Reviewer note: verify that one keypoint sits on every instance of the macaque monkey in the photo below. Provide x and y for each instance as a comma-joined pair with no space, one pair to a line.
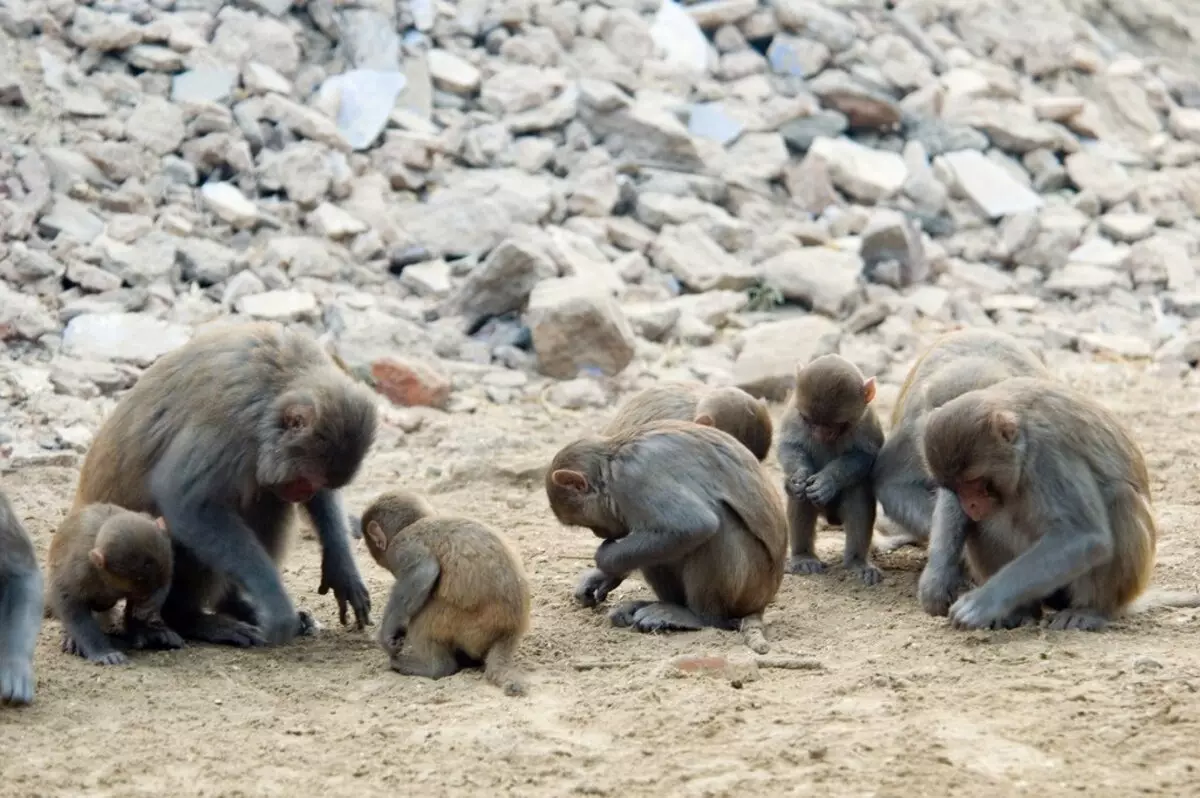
21,604
460,591
100,555
727,408
222,437
957,362
827,445
1049,496
690,508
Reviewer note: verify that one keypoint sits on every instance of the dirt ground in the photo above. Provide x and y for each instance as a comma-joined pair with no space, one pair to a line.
901,703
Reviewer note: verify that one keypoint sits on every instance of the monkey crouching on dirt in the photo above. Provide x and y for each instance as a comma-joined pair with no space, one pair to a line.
727,408
689,507
460,591
955,363
100,555
1050,498
828,441
222,437
21,607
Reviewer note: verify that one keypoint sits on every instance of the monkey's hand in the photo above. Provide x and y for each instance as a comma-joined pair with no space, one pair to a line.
343,578
937,590
797,484
820,489
594,587
153,636
392,643
977,609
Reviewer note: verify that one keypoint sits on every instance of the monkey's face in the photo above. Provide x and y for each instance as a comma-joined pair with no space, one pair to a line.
831,397
970,448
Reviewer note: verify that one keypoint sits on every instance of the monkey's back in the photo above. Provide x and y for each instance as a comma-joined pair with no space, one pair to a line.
482,592
223,378
970,357
672,400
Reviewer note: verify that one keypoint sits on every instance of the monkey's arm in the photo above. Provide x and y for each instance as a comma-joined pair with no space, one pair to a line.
943,572
849,469
338,570
796,463
417,572
86,638
666,522
21,604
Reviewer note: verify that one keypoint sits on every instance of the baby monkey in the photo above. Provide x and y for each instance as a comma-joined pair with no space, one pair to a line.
461,595
727,408
828,441
101,554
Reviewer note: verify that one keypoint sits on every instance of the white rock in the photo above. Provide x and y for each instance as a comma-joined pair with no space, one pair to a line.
865,174
284,305
452,73
332,222
986,184
228,202
132,337
676,33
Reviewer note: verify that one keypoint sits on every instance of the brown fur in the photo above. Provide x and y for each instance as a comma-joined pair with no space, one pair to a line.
727,408
478,606
651,490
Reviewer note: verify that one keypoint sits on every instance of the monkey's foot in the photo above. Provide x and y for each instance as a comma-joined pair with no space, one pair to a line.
937,591
221,630
16,681
102,657
625,613
437,667
663,617
805,564
146,636
1079,620
867,571
306,624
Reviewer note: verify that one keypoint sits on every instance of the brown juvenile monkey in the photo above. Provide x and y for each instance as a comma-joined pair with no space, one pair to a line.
727,408
1049,496
100,555
460,591
222,437
827,445
21,603
689,507
955,363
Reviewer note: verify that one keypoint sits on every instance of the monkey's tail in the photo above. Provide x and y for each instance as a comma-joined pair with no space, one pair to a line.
1157,597
498,667
754,634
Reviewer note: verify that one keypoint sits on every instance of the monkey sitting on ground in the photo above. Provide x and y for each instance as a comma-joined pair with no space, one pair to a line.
689,507
222,437
955,363
727,408
100,555
20,607
827,445
1050,497
460,591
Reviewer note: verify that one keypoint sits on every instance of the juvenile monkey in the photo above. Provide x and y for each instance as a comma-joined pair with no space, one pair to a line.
690,508
100,555
222,437
21,603
955,363
460,591
829,438
727,408
1050,497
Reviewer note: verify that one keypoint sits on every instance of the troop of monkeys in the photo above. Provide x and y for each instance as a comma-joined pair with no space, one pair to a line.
1028,494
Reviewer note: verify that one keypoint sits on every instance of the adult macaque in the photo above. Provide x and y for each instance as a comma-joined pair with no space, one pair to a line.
1049,496
727,408
460,590
21,606
957,362
828,441
690,508
100,555
222,437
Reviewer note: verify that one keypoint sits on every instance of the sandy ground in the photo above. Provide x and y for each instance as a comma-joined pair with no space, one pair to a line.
901,703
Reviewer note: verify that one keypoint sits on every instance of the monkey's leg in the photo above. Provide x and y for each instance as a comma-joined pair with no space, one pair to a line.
902,487
83,636
144,625
943,577
857,508
338,571
667,586
498,666
417,572
802,531
191,590
426,658
238,606
21,609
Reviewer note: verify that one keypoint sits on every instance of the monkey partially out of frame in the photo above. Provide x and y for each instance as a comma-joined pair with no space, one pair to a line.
21,608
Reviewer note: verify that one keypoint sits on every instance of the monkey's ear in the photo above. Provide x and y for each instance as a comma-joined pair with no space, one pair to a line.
298,415
869,390
1005,424
705,420
97,558
572,480
374,533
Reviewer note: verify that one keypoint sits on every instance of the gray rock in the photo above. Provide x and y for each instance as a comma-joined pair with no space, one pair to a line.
823,279
757,156
206,84
22,316
648,132
713,121
205,262
798,57
698,262
1127,227
938,136
149,259
865,174
103,32
863,107
25,265
503,282
303,170
766,364
157,125
891,236
283,305
72,220
125,337
1108,180
452,73
302,256
831,28
229,203
576,326
987,185
713,14
370,39
154,58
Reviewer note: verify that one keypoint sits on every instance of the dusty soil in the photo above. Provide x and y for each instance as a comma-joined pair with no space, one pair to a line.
901,704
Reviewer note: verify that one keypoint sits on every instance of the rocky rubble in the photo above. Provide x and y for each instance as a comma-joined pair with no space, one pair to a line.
512,200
